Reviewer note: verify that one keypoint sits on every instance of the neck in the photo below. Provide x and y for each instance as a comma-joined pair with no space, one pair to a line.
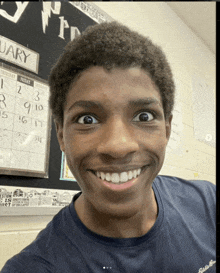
115,226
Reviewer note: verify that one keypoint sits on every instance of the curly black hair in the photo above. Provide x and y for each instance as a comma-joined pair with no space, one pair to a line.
110,45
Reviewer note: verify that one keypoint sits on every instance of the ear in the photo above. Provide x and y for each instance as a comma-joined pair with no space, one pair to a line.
168,127
59,130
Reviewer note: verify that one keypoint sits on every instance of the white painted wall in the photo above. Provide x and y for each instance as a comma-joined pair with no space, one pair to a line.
187,55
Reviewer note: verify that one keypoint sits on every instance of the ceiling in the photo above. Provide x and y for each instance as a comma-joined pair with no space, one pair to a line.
200,17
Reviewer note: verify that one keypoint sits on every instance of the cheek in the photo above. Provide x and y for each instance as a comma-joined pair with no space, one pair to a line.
72,150
154,146
161,145
155,140
77,151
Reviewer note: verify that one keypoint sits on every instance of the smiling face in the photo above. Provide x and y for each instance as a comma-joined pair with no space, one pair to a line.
113,125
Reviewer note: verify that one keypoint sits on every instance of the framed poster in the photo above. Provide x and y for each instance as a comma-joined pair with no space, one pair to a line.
65,172
25,123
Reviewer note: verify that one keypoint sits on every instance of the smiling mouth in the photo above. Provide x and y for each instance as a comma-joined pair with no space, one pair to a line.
119,178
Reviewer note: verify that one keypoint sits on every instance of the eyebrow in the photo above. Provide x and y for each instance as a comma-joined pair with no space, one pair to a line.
86,104
132,103
144,102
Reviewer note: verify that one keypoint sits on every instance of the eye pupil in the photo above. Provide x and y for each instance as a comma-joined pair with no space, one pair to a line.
144,117
87,119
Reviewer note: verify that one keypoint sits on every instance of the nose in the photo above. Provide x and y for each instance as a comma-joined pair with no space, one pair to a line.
118,140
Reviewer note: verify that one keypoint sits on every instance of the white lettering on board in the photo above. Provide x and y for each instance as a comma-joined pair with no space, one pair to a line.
74,32
48,8
17,15
55,8
46,12
18,54
63,24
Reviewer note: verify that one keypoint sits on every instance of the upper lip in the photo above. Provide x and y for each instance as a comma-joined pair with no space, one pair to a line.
117,169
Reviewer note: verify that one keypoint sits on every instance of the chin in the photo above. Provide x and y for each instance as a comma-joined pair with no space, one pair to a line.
120,208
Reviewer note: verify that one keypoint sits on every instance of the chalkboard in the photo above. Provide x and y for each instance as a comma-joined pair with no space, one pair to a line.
42,29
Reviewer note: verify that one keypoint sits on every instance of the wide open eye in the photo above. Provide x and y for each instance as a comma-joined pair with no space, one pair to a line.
144,116
87,119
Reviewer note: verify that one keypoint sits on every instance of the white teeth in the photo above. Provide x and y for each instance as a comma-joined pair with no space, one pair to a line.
130,175
135,173
115,178
102,176
124,177
108,177
119,177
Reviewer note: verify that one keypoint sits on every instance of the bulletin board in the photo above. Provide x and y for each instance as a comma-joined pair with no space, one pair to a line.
33,35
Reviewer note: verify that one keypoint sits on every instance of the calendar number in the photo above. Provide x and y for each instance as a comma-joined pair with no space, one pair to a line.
3,114
2,101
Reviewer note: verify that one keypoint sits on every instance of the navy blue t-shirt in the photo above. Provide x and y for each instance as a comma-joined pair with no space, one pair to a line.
181,240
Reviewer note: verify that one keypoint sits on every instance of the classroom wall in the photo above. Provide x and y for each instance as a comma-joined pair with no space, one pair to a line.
187,55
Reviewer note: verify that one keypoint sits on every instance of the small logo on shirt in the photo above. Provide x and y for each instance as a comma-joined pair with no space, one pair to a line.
203,269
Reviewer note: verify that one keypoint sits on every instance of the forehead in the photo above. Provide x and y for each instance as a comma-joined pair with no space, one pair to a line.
115,86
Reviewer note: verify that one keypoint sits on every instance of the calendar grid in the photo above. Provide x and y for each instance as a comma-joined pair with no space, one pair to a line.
25,130
13,126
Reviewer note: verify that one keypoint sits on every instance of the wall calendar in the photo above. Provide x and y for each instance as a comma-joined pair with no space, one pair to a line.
25,123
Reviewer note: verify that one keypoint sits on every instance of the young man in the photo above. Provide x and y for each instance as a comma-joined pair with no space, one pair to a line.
112,95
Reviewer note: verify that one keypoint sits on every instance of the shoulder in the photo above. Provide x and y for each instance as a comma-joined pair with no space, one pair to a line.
40,255
26,262
192,200
172,184
182,191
